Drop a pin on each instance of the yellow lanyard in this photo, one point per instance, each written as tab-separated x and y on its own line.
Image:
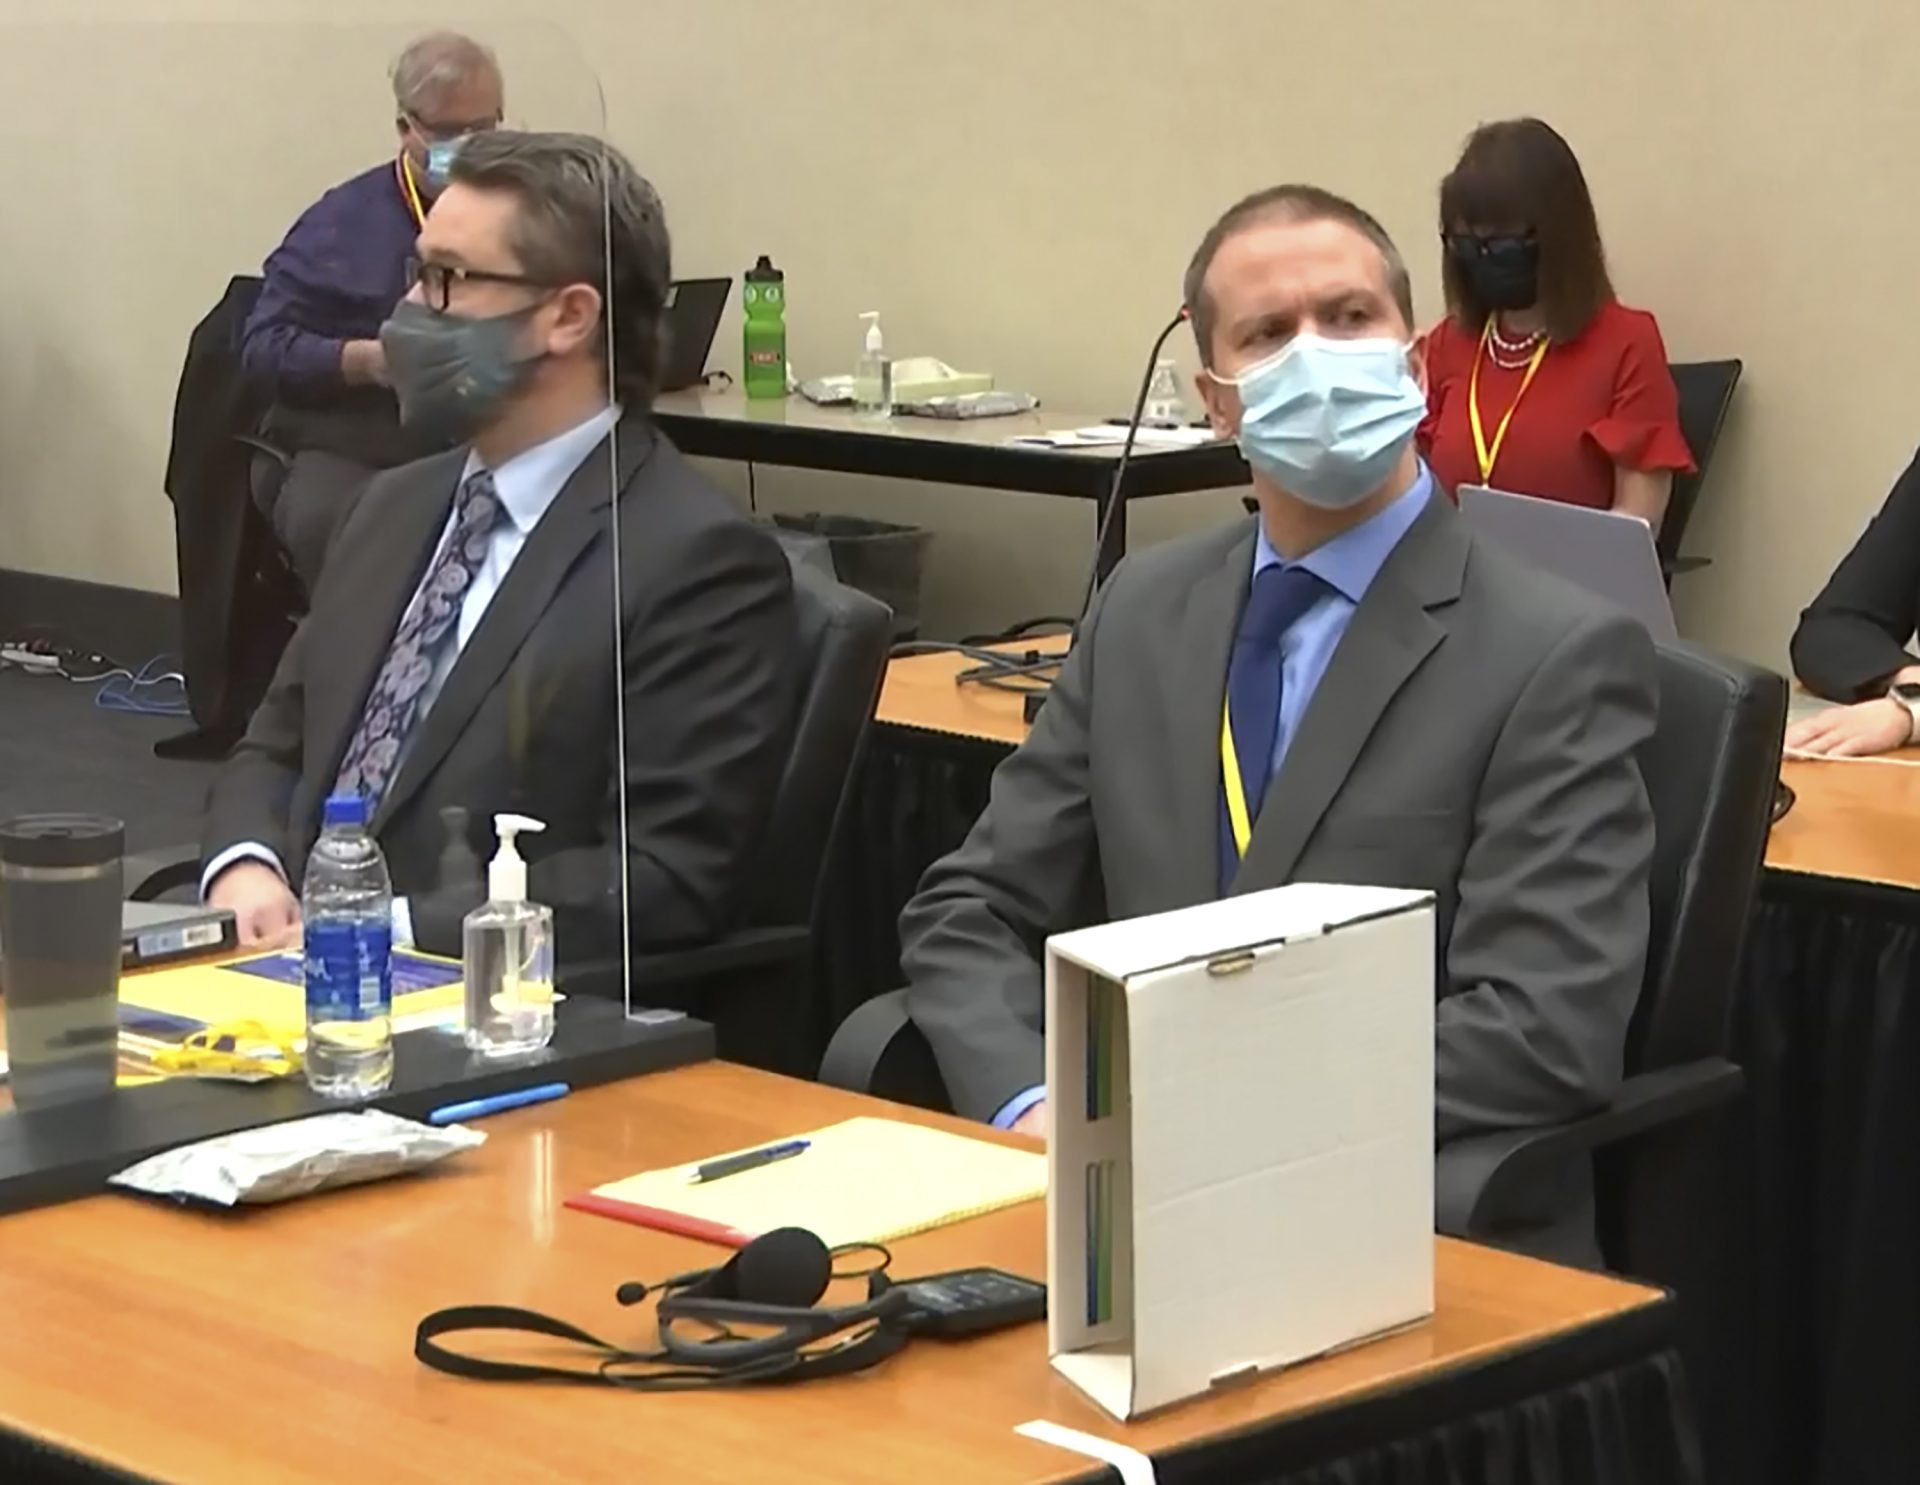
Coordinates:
1490	456
404	168
1236	790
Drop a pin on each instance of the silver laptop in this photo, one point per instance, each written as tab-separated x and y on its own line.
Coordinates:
1608	554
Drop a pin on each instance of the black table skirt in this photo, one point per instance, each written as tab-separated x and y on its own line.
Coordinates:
1828	1030
1604	1404
1811	1375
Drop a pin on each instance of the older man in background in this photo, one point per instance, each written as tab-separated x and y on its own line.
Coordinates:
312	342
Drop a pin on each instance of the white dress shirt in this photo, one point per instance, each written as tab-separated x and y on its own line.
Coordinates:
527	485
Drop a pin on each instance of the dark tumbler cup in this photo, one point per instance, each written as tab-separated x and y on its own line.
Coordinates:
60	892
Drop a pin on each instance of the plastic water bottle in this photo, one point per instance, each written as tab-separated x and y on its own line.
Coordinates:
348	908
764	294
1164	408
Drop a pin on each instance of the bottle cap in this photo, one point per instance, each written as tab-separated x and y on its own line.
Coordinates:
875	341
764	271
507	876
343	809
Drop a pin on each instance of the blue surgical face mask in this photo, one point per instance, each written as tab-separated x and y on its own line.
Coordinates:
1327	420
440	155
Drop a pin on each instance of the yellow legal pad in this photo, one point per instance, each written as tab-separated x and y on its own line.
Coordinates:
861	1181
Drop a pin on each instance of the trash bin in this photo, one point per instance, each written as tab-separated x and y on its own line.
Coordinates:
879	558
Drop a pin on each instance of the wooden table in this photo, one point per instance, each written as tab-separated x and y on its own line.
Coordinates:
921	693
276	1343
794	433
1854	822
1851	822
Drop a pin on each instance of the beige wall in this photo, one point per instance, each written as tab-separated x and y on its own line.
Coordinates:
1017	186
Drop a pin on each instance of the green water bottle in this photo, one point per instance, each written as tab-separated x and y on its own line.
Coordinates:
764	293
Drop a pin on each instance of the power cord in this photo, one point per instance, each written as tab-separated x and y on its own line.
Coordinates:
1024	672
136	695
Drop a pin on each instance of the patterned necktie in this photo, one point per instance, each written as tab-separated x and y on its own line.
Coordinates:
1280	596
427	627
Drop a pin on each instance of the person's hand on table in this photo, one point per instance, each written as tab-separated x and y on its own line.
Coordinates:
1033	1122
264	909
1858	731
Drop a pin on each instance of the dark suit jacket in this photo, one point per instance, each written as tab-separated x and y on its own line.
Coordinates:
1475	735
1858	632
526	721
234	598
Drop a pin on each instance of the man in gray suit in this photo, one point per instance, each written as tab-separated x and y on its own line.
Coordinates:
1350	689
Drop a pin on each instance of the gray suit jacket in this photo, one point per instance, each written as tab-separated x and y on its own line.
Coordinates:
1475	734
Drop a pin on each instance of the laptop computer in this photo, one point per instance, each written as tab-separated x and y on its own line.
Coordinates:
694	307
1608	554
161	932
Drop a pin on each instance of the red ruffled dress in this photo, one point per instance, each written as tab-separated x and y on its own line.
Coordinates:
1602	399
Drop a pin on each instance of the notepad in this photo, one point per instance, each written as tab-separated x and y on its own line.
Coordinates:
861	1181
269	988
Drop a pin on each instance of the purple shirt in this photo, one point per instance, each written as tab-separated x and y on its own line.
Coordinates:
336	278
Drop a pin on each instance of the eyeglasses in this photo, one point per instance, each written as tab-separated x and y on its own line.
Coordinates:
1473	245
445	133
436	280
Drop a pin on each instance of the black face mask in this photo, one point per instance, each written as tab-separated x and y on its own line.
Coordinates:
1501	272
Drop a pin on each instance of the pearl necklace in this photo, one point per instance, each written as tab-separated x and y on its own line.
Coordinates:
1511	355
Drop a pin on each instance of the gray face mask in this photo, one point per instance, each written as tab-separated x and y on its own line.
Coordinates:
451	373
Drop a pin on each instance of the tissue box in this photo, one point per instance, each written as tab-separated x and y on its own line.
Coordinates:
1241	1149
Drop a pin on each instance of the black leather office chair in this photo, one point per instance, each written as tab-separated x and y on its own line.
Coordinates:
755	985
1706	391
1710	770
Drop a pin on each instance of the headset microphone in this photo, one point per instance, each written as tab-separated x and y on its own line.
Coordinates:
756	1320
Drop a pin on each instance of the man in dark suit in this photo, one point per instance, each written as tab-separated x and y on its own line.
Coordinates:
1406	706
463	647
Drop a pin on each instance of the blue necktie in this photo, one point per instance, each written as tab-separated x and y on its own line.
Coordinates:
1280	596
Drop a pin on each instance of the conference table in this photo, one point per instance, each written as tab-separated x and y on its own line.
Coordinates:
1815	1373
276	1343
794	433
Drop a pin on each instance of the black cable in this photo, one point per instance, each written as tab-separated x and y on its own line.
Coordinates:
1002	670
1114	492
753	498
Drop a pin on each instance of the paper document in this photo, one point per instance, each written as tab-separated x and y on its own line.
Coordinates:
1113	435
269	988
861	1181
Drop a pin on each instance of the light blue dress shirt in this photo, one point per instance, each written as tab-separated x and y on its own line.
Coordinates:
1347	565
527	485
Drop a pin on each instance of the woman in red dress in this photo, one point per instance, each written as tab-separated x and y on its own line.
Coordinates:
1539	381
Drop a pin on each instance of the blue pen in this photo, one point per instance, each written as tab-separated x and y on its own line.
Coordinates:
733	1165
479	1108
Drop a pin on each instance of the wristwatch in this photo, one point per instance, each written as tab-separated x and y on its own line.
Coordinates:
1907	695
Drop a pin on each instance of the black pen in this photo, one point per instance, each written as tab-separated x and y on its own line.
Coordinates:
732	1165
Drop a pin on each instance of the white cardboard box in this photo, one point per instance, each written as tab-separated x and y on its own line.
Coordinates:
1241	1152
